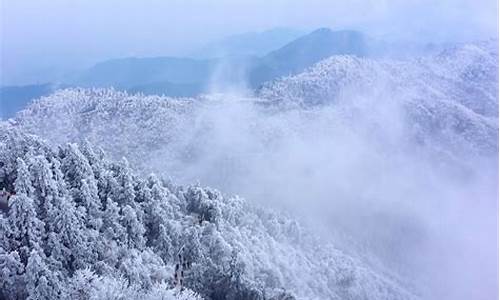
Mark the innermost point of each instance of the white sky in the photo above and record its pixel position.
(46, 36)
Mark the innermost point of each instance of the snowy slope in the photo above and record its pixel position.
(94, 226)
(122, 123)
(449, 100)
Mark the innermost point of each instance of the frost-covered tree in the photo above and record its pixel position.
(41, 282)
(71, 242)
(134, 228)
(112, 227)
(83, 184)
(12, 279)
(125, 195)
(81, 285)
(87, 195)
(25, 229)
(46, 187)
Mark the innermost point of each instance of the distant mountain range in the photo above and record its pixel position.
(248, 44)
(305, 51)
(246, 64)
(251, 59)
(15, 98)
(187, 77)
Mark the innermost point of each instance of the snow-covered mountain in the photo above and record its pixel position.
(82, 227)
(397, 159)
(450, 99)
(307, 50)
(443, 106)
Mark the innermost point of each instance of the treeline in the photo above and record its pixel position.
(81, 227)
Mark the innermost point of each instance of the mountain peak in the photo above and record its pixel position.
(307, 50)
(325, 31)
(322, 29)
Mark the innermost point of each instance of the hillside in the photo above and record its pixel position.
(306, 51)
(448, 100)
(82, 227)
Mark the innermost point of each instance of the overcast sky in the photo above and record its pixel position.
(46, 36)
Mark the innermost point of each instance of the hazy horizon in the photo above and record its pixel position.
(64, 36)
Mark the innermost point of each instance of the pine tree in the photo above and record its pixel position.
(164, 244)
(23, 184)
(84, 189)
(71, 242)
(44, 185)
(41, 283)
(75, 165)
(134, 228)
(125, 195)
(12, 284)
(4, 232)
(81, 285)
(143, 192)
(88, 197)
(25, 229)
(95, 157)
(112, 227)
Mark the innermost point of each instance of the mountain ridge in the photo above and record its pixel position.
(293, 57)
(186, 76)
(248, 44)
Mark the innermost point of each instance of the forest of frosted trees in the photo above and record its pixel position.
(81, 227)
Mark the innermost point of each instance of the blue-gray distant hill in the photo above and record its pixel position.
(15, 98)
(126, 73)
(306, 51)
(188, 77)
